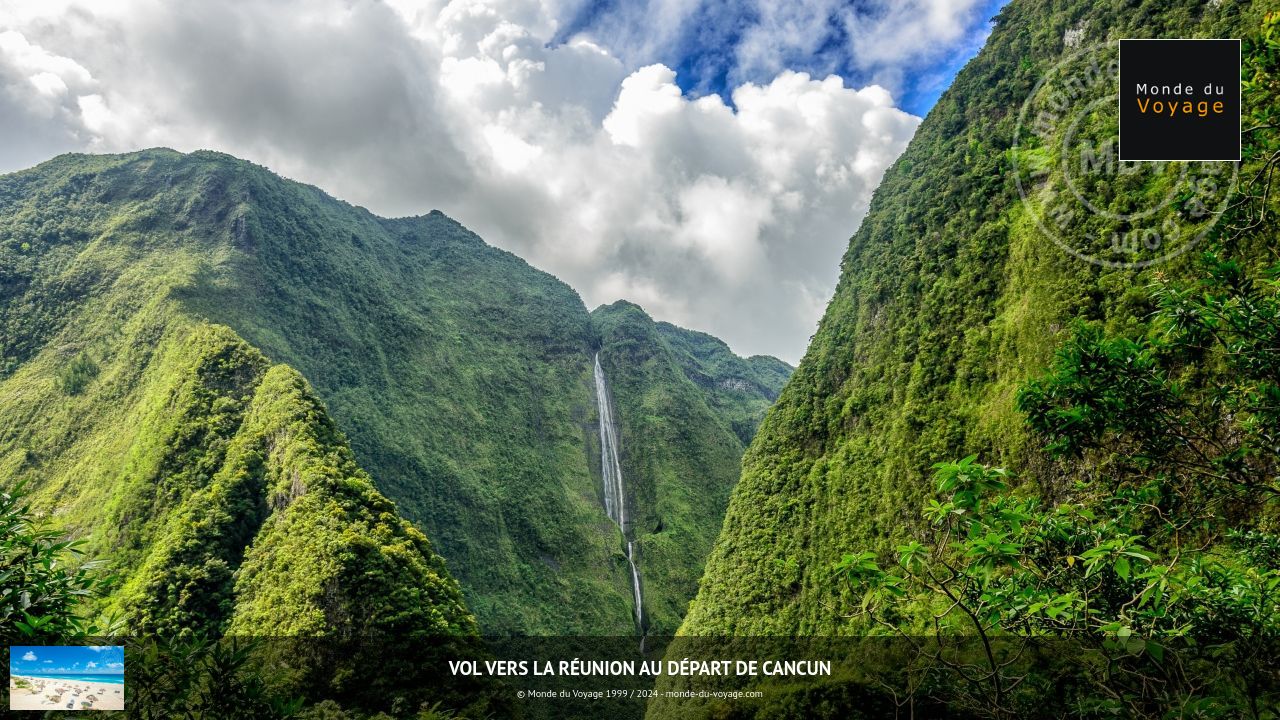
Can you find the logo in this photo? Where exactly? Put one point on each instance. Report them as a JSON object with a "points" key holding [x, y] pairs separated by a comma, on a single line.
{"points": [[1079, 192], [1180, 100]]}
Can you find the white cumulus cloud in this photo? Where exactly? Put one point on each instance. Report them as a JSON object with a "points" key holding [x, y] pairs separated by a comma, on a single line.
{"points": [[29, 656], [728, 218]]}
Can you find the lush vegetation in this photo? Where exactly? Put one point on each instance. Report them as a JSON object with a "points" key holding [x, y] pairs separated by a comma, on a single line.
{"points": [[950, 299], [48, 592], [196, 677], [44, 579], [141, 296], [146, 305], [738, 389], [1129, 567], [288, 537], [225, 451], [1162, 561]]}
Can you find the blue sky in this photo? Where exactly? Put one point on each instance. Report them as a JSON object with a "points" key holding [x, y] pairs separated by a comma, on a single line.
{"points": [[706, 159], [101, 660], [706, 49]]}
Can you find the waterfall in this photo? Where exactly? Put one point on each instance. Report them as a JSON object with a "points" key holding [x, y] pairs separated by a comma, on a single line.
{"points": [[615, 497]]}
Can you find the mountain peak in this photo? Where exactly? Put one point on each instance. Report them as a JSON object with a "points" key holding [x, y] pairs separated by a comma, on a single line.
{"points": [[458, 375]]}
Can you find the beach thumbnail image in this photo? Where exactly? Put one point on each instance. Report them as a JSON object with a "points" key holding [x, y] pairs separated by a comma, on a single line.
{"points": [[56, 677]]}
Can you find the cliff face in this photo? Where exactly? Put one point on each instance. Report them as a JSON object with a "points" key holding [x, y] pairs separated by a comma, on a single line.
{"points": [[149, 304], [950, 297]]}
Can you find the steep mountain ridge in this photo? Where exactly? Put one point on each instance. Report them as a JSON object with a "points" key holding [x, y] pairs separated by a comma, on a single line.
{"points": [[950, 297], [460, 375], [206, 450]]}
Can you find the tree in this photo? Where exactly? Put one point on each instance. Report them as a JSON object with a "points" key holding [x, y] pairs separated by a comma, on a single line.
{"points": [[43, 579], [1146, 621]]}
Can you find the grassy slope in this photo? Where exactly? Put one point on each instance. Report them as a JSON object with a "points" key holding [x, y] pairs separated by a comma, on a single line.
{"points": [[460, 374], [948, 299], [184, 452]]}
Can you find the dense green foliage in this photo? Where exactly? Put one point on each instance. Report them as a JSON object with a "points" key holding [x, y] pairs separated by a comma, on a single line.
{"points": [[950, 298], [740, 390], [242, 512], [43, 579], [1158, 560], [288, 537], [140, 297], [365, 567], [47, 592], [197, 678], [1132, 568], [1159, 619], [214, 447]]}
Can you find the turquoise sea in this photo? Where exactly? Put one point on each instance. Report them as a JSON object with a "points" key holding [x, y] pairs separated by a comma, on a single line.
{"points": [[104, 679]]}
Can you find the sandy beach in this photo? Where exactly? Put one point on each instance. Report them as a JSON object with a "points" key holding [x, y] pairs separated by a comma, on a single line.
{"points": [[53, 694]]}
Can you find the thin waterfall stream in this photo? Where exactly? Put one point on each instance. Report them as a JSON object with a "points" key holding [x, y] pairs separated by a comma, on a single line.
{"points": [[615, 496]]}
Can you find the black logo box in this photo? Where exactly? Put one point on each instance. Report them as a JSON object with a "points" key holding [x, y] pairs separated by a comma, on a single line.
{"points": [[1180, 65]]}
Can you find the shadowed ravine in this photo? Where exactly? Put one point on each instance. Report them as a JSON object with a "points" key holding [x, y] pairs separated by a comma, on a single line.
{"points": [[615, 497]]}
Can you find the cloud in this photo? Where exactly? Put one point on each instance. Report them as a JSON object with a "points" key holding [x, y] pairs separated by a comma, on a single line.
{"points": [[732, 221], [724, 214], [48, 662], [40, 95], [101, 648], [895, 43], [894, 31], [904, 36], [91, 665], [29, 656], [115, 665]]}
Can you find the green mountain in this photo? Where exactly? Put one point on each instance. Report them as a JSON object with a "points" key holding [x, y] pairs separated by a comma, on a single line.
{"points": [[219, 482], [206, 370], [739, 390], [950, 298]]}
